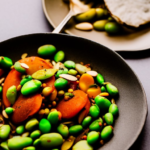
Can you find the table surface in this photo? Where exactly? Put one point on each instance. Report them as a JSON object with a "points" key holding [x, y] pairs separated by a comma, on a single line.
{"points": [[25, 17]]}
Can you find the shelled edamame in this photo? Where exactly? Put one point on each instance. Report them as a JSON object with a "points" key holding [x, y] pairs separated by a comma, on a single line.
{"points": [[55, 104]]}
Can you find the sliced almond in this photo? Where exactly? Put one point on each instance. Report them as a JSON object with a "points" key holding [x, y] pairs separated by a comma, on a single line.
{"points": [[68, 143], [92, 73], [26, 134], [4, 114], [24, 55], [24, 65], [68, 77], [84, 26], [59, 65]]}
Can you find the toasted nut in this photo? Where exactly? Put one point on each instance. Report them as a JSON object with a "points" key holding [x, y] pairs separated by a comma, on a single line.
{"points": [[70, 90], [19, 87], [68, 77], [54, 103], [61, 93], [53, 95], [104, 94], [113, 101], [24, 55], [84, 26], [43, 85], [26, 134], [92, 73], [24, 65], [46, 111], [12, 67], [4, 114], [47, 91], [2, 80], [42, 112], [102, 142], [53, 109], [49, 106], [78, 76], [47, 60], [105, 124], [66, 97]]}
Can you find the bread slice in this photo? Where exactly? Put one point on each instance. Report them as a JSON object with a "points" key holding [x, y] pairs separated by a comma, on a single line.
{"points": [[129, 12]]}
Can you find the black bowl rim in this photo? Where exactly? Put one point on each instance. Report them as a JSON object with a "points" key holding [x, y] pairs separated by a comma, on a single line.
{"points": [[144, 95]]}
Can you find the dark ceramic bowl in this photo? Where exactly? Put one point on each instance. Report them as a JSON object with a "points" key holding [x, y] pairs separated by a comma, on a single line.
{"points": [[131, 101]]}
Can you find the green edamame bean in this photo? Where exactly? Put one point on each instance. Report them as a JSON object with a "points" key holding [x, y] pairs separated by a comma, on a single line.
{"points": [[69, 94], [4, 131], [103, 89], [19, 68], [109, 119], [100, 25], [112, 27], [83, 144], [63, 130], [35, 134], [1, 89], [6, 62], [113, 109], [44, 74], [60, 83], [30, 87], [106, 132], [51, 140], [55, 149], [69, 64], [94, 111], [44, 126], [96, 125], [76, 129], [86, 16], [12, 94], [100, 79], [102, 102], [112, 90], [110, 19], [29, 148], [59, 56], [9, 110], [31, 124], [99, 13], [18, 143], [20, 129], [26, 79], [53, 117], [72, 72], [61, 71], [80, 68], [37, 143], [4, 145], [92, 137], [86, 121], [46, 50]]}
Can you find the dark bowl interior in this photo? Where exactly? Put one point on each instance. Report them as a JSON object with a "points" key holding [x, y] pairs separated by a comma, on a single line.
{"points": [[131, 101]]}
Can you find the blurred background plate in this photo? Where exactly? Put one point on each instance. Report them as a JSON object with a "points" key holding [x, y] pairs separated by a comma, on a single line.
{"points": [[56, 10]]}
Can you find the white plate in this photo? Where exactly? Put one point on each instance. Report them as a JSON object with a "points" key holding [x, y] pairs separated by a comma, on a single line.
{"points": [[56, 10]]}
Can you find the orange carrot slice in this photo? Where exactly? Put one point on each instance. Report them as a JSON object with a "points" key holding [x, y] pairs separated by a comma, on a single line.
{"points": [[73, 106]]}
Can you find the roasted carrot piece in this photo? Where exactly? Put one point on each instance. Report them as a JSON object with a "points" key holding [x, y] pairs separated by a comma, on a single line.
{"points": [[73, 106], [26, 106], [14, 77]]}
